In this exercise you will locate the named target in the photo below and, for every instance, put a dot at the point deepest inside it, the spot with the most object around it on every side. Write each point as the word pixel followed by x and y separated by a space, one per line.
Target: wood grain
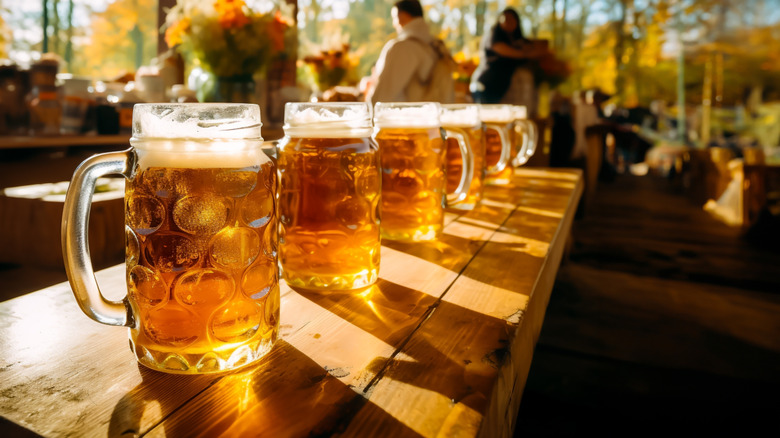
pixel 63 374
pixel 30 230
pixel 440 346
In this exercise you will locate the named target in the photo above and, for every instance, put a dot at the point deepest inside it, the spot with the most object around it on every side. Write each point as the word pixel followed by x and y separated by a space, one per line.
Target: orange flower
pixel 277 30
pixel 282 19
pixel 231 13
pixel 174 33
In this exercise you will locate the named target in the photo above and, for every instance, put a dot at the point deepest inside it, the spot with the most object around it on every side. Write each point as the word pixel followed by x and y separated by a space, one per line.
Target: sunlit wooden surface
pixel 440 346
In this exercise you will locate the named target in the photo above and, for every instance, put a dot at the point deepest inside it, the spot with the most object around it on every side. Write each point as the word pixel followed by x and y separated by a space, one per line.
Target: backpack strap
pixel 440 52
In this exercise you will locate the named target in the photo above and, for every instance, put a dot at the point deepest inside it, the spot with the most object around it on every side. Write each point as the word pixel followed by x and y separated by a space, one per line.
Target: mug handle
pixel 533 137
pixel 467 170
pixel 525 152
pixel 506 149
pixel 75 241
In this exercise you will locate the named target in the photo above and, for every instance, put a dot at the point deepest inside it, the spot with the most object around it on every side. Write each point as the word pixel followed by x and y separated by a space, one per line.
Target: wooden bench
pixel 440 346
pixel 31 216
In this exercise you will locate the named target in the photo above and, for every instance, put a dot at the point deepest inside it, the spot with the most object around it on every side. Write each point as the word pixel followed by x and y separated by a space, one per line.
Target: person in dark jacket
pixel 504 49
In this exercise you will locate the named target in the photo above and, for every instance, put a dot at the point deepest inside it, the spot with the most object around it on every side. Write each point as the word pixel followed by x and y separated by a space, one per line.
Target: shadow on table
pixel 449 251
pixel 459 365
pixel 285 394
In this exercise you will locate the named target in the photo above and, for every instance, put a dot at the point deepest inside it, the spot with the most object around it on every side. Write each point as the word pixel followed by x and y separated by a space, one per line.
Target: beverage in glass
pixel 200 221
pixel 414 184
pixel 329 197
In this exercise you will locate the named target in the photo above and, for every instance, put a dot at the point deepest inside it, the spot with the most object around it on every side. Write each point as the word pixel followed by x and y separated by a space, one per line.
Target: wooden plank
pixel 339 352
pixel 63 374
pixel 465 367
pixel 31 217
pixel 352 336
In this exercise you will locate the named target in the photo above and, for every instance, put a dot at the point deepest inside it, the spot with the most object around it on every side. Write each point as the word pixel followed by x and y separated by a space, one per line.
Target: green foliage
pixel 628 55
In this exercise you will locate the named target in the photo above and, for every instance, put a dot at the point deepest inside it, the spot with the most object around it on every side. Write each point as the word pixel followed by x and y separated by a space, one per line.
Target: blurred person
pixel 505 52
pixel 407 68
pixel 584 116
pixel 597 98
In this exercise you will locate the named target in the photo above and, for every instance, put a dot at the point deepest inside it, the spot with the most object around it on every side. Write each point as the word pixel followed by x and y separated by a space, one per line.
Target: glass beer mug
pixel 499 142
pixel 464 120
pixel 412 145
pixel 329 199
pixel 525 135
pixel 200 222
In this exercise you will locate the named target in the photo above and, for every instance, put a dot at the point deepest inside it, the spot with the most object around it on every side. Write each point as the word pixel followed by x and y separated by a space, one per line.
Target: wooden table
pixel 440 346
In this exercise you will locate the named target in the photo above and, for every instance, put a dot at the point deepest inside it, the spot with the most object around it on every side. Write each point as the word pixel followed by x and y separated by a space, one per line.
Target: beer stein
pixel 525 135
pixel 464 120
pixel 329 198
pixel 412 145
pixel 200 226
pixel 499 142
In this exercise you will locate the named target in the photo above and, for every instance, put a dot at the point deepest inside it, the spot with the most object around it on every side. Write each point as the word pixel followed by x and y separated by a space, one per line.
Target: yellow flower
pixel 231 13
pixel 278 28
pixel 174 34
pixel 228 37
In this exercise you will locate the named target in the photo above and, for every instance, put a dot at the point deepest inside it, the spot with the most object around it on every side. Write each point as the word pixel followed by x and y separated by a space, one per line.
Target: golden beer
pixel 413 182
pixel 200 229
pixel 464 120
pixel 329 199
pixel 201 264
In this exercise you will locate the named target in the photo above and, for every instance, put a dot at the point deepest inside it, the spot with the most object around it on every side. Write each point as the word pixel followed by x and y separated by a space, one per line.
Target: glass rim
pixel 460 115
pixel 520 112
pixel 496 113
pixel 196 121
pixel 407 114
pixel 327 119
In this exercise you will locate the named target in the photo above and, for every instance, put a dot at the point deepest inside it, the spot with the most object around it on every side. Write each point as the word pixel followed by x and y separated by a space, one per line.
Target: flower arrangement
pixel 332 67
pixel 465 67
pixel 229 38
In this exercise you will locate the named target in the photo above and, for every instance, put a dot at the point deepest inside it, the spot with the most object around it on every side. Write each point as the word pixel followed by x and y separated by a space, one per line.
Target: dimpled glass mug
pixel 329 199
pixel 200 221
pixel 414 193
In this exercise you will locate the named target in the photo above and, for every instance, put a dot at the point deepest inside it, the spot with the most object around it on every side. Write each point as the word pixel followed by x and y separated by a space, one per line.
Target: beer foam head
pixel 496 113
pixel 460 116
pixel 520 112
pixel 407 115
pixel 197 135
pixel 196 121
pixel 204 154
pixel 327 120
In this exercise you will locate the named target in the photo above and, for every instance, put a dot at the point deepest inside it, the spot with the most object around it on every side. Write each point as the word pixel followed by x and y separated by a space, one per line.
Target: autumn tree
pixel 122 38
pixel 620 46
pixel 5 36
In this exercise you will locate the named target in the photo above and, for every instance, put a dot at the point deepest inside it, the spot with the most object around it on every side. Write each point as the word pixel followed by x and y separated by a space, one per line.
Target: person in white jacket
pixel 406 58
